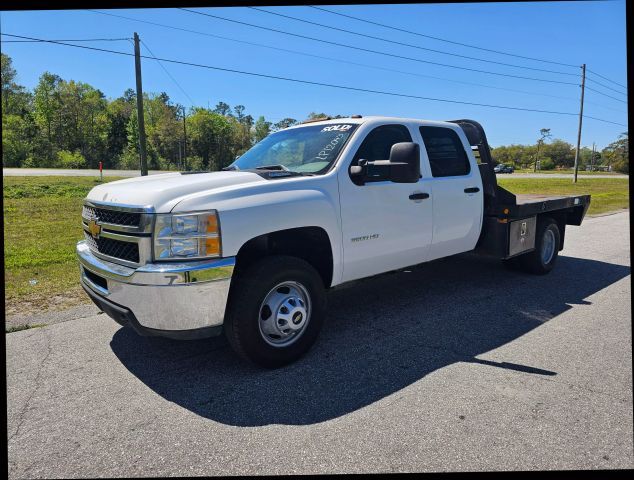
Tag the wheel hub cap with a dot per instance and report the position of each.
(284, 313)
(291, 315)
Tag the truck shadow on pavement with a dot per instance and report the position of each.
(381, 335)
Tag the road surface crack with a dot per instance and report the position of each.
(38, 384)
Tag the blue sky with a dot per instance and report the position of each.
(568, 32)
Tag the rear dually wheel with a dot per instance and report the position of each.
(541, 260)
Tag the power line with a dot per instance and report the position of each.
(604, 106)
(605, 86)
(376, 51)
(69, 40)
(605, 78)
(436, 38)
(310, 82)
(407, 44)
(605, 94)
(442, 39)
(168, 73)
(330, 58)
(261, 45)
(607, 121)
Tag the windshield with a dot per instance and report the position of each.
(311, 149)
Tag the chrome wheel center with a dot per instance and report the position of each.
(291, 314)
(284, 314)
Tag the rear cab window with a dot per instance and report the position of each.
(447, 156)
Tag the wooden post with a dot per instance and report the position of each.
(139, 105)
(185, 139)
(583, 87)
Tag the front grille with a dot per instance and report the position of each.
(114, 248)
(129, 219)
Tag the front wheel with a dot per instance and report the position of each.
(276, 311)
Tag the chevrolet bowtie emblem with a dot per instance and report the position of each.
(94, 228)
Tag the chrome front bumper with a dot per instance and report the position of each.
(164, 298)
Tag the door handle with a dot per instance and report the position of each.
(419, 196)
(471, 190)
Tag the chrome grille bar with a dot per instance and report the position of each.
(125, 232)
(121, 218)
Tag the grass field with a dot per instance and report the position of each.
(569, 172)
(42, 223)
(608, 194)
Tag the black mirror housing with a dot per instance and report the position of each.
(404, 165)
(405, 162)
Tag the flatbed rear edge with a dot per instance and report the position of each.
(574, 206)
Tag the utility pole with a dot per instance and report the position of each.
(592, 158)
(185, 139)
(139, 104)
(583, 88)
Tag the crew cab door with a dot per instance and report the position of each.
(457, 192)
(382, 227)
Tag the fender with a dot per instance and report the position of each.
(259, 208)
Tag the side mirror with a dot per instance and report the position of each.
(405, 162)
(403, 165)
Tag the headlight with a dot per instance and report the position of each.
(186, 235)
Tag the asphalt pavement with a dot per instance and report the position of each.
(43, 172)
(456, 365)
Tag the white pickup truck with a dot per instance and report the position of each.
(252, 249)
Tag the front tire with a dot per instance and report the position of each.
(276, 310)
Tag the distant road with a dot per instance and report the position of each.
(559, 175)
(46, 172)
(42, 172)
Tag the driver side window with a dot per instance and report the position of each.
(377, 146)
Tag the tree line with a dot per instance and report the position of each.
(559, 154)
(71, 124)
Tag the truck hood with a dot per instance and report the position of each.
(164, 191)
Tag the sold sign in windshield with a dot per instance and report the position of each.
(336, 128)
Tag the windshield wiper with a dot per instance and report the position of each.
(273, 167)
(230, 168)
(284, 168)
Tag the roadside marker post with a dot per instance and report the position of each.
(101, 171)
